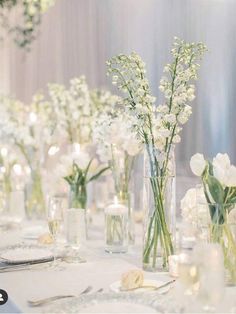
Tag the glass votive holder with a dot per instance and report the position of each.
(210, 261)
(173, 261)
(188, 273)
(116, 228)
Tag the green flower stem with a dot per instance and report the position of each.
(114, 229)
(160, 233)
(78, 196)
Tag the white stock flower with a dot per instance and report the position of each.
(132, 146)
(197, 164)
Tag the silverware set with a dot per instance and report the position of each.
(7, 267)
(42, 302)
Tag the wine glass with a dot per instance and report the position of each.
(54, 217)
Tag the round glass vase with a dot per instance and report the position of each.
(35, 203)
(222, 230)
(159, 222)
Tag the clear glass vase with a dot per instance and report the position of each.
(159, 223)
(223, 231)
(78, 196)
(122, 166)
(35, 203)
(116, 228)
(78, 201)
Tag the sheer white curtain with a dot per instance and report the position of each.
(78, 36)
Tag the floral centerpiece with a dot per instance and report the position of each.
(28, 129)
(73, 111)
(158, 128)
(28, 19)
(7, 161)
(78, 170)
(219, 185)
(117, 144)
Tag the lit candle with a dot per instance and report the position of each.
(173, 265)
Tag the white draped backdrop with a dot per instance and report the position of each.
(78, 36)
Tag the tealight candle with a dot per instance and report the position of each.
(116, 233)
(173, 265)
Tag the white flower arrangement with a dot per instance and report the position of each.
(115, 130)
(73, 110)
(78, 169)
(219, 187)
(219, 193)
(28, 127)
(158, 127)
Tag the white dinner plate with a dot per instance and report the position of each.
(18, 254)
(116, 286)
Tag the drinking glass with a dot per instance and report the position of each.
(54, 217)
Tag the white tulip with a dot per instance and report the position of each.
(221, 165)
(231, 177)
(197, 164)
(81, 159)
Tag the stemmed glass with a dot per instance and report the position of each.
(54, 217)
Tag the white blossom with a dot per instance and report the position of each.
(197, 164)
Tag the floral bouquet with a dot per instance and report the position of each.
(73, 110)
(219, 186)
(28, 128)
(78, 170)
(117, 144)
(158, 129)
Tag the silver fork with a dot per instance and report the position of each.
(56, 297)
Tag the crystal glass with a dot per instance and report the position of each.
(210, 262)
(75, 227)
(188, 273)
(116, 228)
(55, 218)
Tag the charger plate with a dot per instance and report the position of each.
(21, 253)
(107, 303)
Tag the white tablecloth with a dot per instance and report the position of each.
(100, 271)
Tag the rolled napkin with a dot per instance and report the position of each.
(45, 238)
(132, 279)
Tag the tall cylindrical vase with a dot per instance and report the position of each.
(159, 223)
(35, 203)
(122, 166)
(78, 201)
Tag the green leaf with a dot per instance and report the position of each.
(87, 169)
(215, 188)
(98, 174)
